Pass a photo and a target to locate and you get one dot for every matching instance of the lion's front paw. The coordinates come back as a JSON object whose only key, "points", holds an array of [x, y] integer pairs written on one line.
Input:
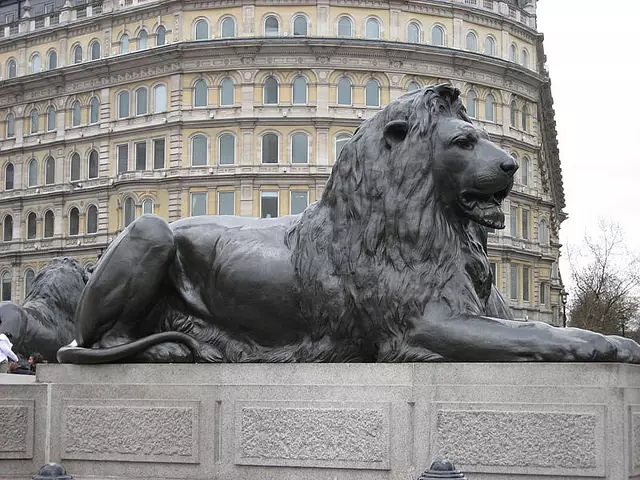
{"points": [[628, 351], [167, 352]]}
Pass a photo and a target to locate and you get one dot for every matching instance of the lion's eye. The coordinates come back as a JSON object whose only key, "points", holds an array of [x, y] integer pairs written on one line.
{"points": [[466, 142]]}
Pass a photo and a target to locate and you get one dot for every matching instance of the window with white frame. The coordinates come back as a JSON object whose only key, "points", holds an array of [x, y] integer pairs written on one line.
{"points": [[300, 26], [74, 167], [199, 150], [32, 175], [94, 165], [50, 171], [413, 32], [77, 54], [200, 90], [123, 104], [226, 203], [34, 121], [271, 26], [372, 29], [270, 91], [299, 201], [198, 203], [76, 114], [94, 110], [142, 39], [123, 157], [227, 92], [202, 29], [344, 91], [227, 149], [92, 219], [158, 153], [345, 27], [490, 46], [489, 108], [52, 60], [140, 149], [472, 42], [74, 221], [94, 50], [228, 28], [147, 206], [372, 93], [51, 119], [300, 90], [161, 36], [49, 224], [124, 43], [269, 204], [437, 36], [129, 211], [159, 98], [142, 106], [472, 104], [270, 148], [300, 148], [31, 226]]}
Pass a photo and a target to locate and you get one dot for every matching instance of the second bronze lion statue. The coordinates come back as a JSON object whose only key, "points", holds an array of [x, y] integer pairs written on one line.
{"points": [[389, 266]]}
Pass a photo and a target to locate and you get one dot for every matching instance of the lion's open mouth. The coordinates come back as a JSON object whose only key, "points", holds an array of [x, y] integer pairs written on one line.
{"points": [[484, 207]]}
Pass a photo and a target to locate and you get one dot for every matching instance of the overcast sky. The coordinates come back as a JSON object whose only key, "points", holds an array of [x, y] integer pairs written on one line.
{"points": [[593, 62]]}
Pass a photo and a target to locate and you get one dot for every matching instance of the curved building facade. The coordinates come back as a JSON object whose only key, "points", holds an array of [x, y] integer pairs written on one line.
{"points": [[110, 110]]}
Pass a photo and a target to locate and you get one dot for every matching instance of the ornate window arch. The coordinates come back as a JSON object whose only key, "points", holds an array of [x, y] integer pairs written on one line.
{"points": [[9, 176], [200, 93], [472, 41], [143, 39], [300, 93], [32, 173], [524, 58], [514, 114], [524, 171], [94, 110], [372, 28], [270, 90], [199, 150], [93, 165], [543, 232], [74, 221], [35, 63], [271, 26], [228, 27], [372, 93], [525, 118], [345, 26], [129, 211], [142, 101], [33, 121], [76, 114], [513, 53], [161, 36], [124, 43], [74, 167], [7, 228], [414, 32], [94, 50], [49, 171], [227, 92], [344, 91], [49, 224], [32, 222], [412, 86], [300, 25], [147, 206], [12, 68], [52, 60], [438, 35], [77, 53], [10, 125], [92, 219], [160, 98], [490, 46]]}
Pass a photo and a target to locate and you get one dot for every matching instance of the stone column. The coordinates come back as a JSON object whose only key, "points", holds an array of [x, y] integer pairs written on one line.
{"points": [[247, 146], [322, 146], [395, 31], [247, 20], [458, 24], [323, 27]]}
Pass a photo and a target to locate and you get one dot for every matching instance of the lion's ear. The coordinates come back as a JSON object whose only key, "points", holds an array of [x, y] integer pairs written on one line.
{"points": [[395, 132]]}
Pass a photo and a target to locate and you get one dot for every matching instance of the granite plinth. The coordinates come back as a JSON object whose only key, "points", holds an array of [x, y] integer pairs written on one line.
{"points": [[325, 421]]}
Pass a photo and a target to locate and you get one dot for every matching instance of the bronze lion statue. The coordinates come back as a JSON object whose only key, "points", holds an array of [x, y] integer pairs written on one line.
{"points": [[390, 265]]}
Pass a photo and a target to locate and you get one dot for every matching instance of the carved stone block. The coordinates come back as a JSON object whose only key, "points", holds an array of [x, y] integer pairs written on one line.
{"points": [[16, 429]]}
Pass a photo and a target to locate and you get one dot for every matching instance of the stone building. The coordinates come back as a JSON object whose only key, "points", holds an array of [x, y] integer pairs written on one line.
{"points": [[112, 109]]}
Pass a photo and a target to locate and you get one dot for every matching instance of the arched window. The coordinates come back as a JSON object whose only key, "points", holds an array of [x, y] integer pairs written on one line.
{"points": [[345, 27], [32, 176], [51, 119], [270, 148], [124, 43], [9, 177], [525, 118], [12, 70], [52, 60], [35, 63], [372, 93], [513, 53], [412, 86], [74, 221], [489, 108], [33, 121], [514, 114], [372, 29], [413, 32], [472, 104], [437, 36], [7, 234], [199, 150], [6, 287], [141, 101], [93, 164], [49, 171], [77, 54], [31, 226], [524, 171], [159, 98], [227, 92], [123, 104], [543, 234], [227, 149], [92, 219], [300, 91], [472, 42], [10, 125], [49, 224], [490, 46], [344, 91], [300, 26], [129, 211], [94, 49], [202, 30], [75, 114], [161, 36], [147, 207], [200, 90], [94, 110], [29, 275], [270, 91], [300, 148], [142, 39], [228, 28], [341, 141], [525, 58], [271, 26], [74, 173]]}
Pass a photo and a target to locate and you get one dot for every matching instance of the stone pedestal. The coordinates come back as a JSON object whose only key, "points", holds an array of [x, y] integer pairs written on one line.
{"points": [[324, 421]]}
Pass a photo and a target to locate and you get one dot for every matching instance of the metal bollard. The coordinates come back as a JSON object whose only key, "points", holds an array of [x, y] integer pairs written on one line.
{"points": [[442, 469], [52, 471]]}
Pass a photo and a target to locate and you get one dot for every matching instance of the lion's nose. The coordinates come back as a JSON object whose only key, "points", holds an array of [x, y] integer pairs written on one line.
{"points": [[509, 166]]}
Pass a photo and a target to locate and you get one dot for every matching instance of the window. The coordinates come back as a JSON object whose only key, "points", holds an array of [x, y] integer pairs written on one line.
{"points": [[9, 177], [35, 64], [199, 150], [74, 173], [198, 203], [345, 27], [10, 125], [8, 228], [141, 155], [412, 86], [33, 121], [49, 224], [372, 29], [472, 42], [513, 53], [129, 211], [77, 54], [226, 203], [525, 118], [413, 32], [299, 148], [490, 46], [525, 224], [300, 91], [372, 93], [524, 171], [31, 226], [74, 221], [158, 153], [524, 58], [437, 36], [271, 26], [268, 204], [200, 89], [514, 221], [141, 101], [147, 207], [514, 282], [270, 148], [32, 177], [123, 104], [489, 103], [300, 26], [525, 284], [472, 104], [94, 48], [161, 36], [341, 141], [124, 43], [29, 275], [344, 91], [543, 294], [12, 70], [52, 60], [514, 114], [50, 171], [159, 99], [123, 158], [227, 92], [94, 110], [92, 219], [6, 287], [270, 91], [494, 272], [93, 164], [228, 28], [227, 144], [299, 201], [75, 114], [142, 39], [51, 119]]}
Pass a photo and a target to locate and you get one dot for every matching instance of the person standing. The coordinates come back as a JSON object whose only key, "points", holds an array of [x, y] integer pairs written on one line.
{"points": [[6, 352]]}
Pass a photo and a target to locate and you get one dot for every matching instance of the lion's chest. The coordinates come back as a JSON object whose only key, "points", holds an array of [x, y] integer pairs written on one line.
{"points": [[478, 272]]}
